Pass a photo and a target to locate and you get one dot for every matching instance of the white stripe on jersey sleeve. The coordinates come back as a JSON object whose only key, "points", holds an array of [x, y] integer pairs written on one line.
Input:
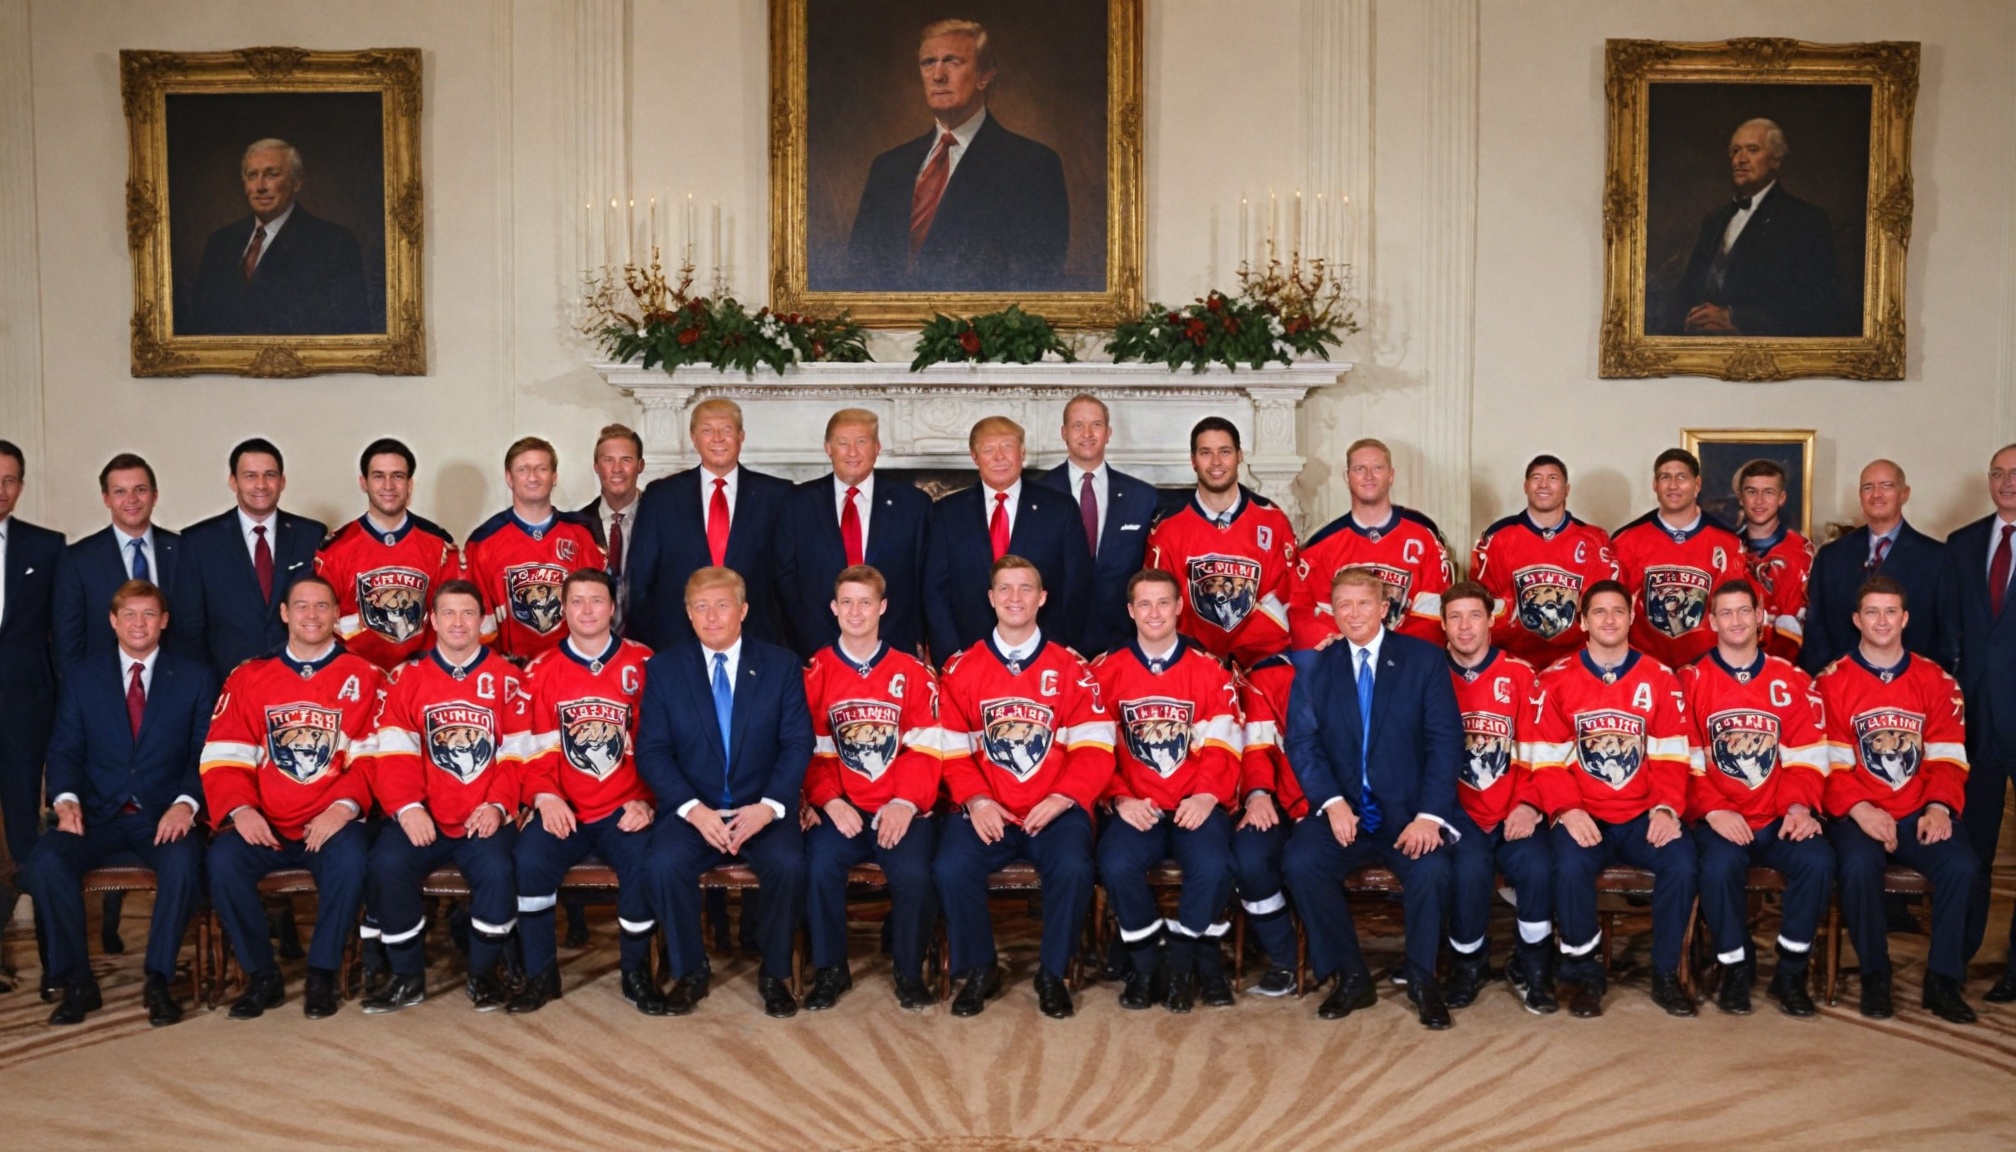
{"points": [[939, 742], [1541, 754], [1262, 734], [1816, 756], [1093, 733], [1224, 731], [224, 752], [395, 741], [823, 746], [1272, 608], [520, 746], [1955, 753], [1666, 747]]}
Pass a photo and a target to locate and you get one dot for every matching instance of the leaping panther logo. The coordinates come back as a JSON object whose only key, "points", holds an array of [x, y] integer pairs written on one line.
{"points": [[301, 740], [1548, 599], [1159, 732], [393, 602], [1224, 589], [1610, 745], [1743, 743], [865, 735], [461, 739], [1016, 734], [1676, 598], [1892, 744], [1487, 749], [533, 591], [594, 734]]}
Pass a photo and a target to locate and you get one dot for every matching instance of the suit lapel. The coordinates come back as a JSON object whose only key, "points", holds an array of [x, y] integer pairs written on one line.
{"points": [[1029, 502], [1385, 682], [745, 703], [880, 525], [828, 522], [704, 675], [164, 559]]}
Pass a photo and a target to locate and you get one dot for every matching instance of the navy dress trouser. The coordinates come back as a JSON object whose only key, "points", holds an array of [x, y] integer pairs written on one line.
{"points": [[913, 899], [54, 875], [679, 854], [541, 861], [1723, 868], [1576, 869], [1317, 866], [1204, 853], [1062, 854], [397, 869], [339, 868], [1950, 865]]}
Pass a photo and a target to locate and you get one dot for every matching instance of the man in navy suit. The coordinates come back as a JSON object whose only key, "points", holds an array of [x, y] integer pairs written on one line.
{"points": [[612, 515], [1382, 785], [1116, 511], [1884, 546], [123, 781], [967, 206], [717, 515], [723, 741], [974, 527], [241, 562], [28, 559], [849, 517], [132, 547]]}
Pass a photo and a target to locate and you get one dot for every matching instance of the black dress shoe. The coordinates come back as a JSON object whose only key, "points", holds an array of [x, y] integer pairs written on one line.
{"points": [[1531, 975], [486, 992], [1466, 980], [79, 998], [1428, 1001], [1667, 994], [912, 994], [1353, 992], [778, 1003], [400, 992], [109, 939], [642, 991], [539, 988], [1876, 1003], [318, 993], [1215, 991], [1788, 988], [262, 991], [1182, 994], [2004, 991], [1587, 1003], [982, 985], [1734, 996], [1053, 997], [679, 999], [1139, 991], [1943, 999], [828, 985]]}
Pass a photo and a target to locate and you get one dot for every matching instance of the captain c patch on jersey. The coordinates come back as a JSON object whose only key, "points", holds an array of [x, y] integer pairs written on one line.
{"points": [[1610, 745], [1743, 744], [534, 594], [1892, 743], [1676, 598], [461, 739], [1159, 731], [1547, 599], [1016, 734], [1224, 589], [392, 602], [301, 740], [1487, 749], [865, 735], [593, 735]]}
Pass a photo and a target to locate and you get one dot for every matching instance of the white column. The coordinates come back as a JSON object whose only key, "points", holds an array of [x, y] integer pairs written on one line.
{"points": [[20, 264], [1449, 266]]}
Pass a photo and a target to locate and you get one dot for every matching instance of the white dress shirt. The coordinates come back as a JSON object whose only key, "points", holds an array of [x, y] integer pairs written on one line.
{"points": [[146, 539], [963, 134], [272, 227], [1742, 217], [126, 665], [987, 503], [1102, 488], [1021, 651], [864, 504], [272, 525], [1165, 657], [734, 479]]}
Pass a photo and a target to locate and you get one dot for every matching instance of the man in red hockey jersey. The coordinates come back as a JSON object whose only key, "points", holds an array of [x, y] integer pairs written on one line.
{"points": [[1231, 551], [443, 761], [1670, 559], [387, 563], [1760, 761], [1037, 756], [279, 787], [1608, 745], [1273, 801], [1896, 792], [521, 556], [870, 788], [1176, 772], [1536, 564], [1402, 546], [1779, 558]]}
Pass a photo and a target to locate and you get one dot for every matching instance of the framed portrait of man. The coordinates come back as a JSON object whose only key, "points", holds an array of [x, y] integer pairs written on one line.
{"points": [[273, 210], [956, 158], [1757, 209], [1725, 452]]}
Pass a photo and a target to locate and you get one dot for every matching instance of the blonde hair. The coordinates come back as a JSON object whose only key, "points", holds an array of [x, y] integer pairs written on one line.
{"points": [[1010, 563], [619, 432], [714, 406], [983, 52], [1357, 578], [994, 426], [1105, 413], [1364, 442], [716, 577], [851, 418], [526, 444]]}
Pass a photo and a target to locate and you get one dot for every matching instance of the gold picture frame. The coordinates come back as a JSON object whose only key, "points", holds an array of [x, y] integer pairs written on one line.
{"points": [[1671, 105], [363, 108], [813, 202], [1724, 451]]}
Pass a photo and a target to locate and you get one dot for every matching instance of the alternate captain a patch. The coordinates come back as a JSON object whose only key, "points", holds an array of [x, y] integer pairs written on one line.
{"points": [[1016, 734], [533, 591], [865, 735], [1743, 744], [1675, 598], [1224, 589], [1158, 732], [301, 740], [1610, 745], [1487, 749], [1547, 599], [392, 602], [594, 735], [461, 739], [1397, 582], [1892, 744]]}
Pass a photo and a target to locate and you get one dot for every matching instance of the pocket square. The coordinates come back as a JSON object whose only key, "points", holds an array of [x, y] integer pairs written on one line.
{"points": [[1130, 527]]}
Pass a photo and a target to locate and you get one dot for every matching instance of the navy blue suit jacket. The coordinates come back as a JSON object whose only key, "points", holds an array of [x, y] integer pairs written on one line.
{"points": [[1123, 543], [93, 569], [94, 754], [770, 734], [1979, 646], [810, 555], [959, 553], [27, 664], [671, 544], [239, 623], [1915, 561], [1417, 732]]}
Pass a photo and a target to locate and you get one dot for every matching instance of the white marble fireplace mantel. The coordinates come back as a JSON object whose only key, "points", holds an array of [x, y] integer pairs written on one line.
{"points": [[925, 415]]}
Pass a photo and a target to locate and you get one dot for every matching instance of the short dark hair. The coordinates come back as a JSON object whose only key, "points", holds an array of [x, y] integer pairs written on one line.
{"points": [[386, 446], [1601, 586], [9, 448], [1736, 587], [588, 576], [121, 463], [1760, 467], [258, 444], [1468, 590], [459, 588], [310, 578], [1545, 460], [1215, 424], [1678, 456], [1152, 576], [1881, 586]]}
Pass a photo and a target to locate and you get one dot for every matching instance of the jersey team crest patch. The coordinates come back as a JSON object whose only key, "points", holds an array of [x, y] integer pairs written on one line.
{"points": [[1610, 745], [461, 739], [1743, 743], [1487, 749], [301, 740], [1397, 581], [1016, 734], [1676, 598], [593, 735], [393, 602], [1892, 743], [1548, 599], [534, 593], [865, 735], [1224, 589], [1158, 731]]}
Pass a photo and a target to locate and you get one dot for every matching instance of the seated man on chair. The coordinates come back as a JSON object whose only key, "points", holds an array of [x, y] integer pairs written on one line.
{"points": [[122, 771], [277, 771]]}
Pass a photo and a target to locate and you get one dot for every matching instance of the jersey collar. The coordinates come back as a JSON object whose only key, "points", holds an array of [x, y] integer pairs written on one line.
{"points": [[535, 531], [1741, 675], [1392, 522], [387, 538], [1158, 667], [594, 664], [1232, 515], [1886, 675], [1761, 547], [458, 672], [1469, 674], [1015, 667], [1526, 518], [1611, 675], [864, 669], [1681, 535], [308, 668]]}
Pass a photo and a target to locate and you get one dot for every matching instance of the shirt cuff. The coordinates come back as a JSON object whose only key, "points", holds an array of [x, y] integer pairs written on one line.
{"points": [[776, 809], [501, 810], [64, 798], [688, 806], [1325, 806], [1666, 808], [355, 808], [1256, 792], [185, 798], [1449, 831], [407, 808]]}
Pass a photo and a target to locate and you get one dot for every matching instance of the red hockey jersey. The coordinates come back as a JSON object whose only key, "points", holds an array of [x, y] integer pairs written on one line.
{"points": [[1614, 749], [1263, 696], [281, 739], [1899, 736], [876, 731], [1496, 775], [583, 722], [1030, 728], [450, 739], [1236, 580], [1407, 553], [1537, 575], [1759, 741], [520, 569], [1671, 575], [1779, 565], [385, 584], [1180, 731]]}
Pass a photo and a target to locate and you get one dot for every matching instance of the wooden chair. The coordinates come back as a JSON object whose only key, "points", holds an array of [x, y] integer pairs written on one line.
{"points": [[1618, 880], [1897, 881], [134, 878], [1017, 879], [285, 882]]}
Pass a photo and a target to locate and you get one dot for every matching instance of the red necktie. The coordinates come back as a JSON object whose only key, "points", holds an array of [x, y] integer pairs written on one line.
{"points": [[1088, 510], [615, 567], [1876, 557], [252, 251], [997, 525], [136, 700], [717, 523], [930, 189], [262, 562], [850, 528], [1998, 571]]}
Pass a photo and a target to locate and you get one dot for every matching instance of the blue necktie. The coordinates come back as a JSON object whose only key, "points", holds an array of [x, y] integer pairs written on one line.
{"points": [[1368, 809], [724, 711], [139, 548]]}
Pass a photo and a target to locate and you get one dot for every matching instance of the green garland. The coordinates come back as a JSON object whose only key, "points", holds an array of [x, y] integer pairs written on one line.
{"points": [[1009, 337], [724, 334], [1220, 329]]}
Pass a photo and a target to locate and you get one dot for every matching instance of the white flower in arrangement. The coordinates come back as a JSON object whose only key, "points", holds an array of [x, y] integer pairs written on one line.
{"points": [[1284, 349], [770, 328], [1274, 327]]}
